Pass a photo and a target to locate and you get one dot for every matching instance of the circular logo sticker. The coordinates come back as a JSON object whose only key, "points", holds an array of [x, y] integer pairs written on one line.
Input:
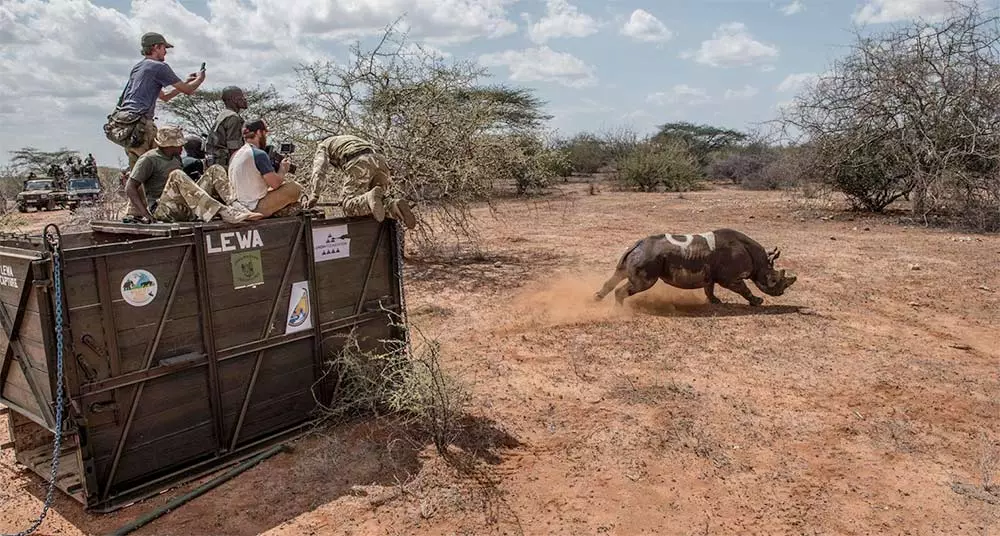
{"points": [[138, 287]]}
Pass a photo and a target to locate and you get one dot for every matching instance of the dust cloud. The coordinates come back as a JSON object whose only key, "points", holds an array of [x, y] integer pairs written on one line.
{"points": [[568, 299]]}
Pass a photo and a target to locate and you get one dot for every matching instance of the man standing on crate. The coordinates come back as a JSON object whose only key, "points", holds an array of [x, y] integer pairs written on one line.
{"points": [[172, 195], [227, 133], [366, 181]]}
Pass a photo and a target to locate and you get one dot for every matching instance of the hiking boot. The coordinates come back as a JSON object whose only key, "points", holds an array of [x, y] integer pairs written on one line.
{"points": [[400, 210], [376, 202], [237, 213]]}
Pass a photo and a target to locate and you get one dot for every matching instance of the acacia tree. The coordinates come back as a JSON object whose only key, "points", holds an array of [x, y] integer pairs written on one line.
{"points": [[702, 140], [28, 159], [913, 112], [448, 139]]}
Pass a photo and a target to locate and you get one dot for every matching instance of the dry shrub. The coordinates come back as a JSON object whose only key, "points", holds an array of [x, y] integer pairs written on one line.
{"points": [[449, 141], [407, 385], [653, 165]]}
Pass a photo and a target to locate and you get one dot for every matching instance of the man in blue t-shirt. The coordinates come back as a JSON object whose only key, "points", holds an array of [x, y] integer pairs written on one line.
{"points": [[145, 85]]}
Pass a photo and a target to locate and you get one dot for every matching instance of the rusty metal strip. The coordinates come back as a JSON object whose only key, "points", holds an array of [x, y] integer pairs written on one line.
{"points": [[108, 318], [382, 231], [208, 337], [260, 355], [314, 303], [127, 427], [11, 327], [36, 391]]}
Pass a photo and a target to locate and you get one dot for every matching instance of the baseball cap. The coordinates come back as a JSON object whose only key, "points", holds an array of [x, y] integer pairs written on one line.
{"points": [[169, 136], [255, 125], [152, 38]]}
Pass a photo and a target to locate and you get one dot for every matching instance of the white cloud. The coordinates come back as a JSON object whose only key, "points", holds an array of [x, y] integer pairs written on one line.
{"points": [[543, 64], [561, 19], [882, 11], [732, 45], [744, 93], [643, 26], [679, 94], [793, 8], [58, 90], [797, 81]]}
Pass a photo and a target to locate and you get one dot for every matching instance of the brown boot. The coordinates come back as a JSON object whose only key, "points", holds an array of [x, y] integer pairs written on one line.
{"points": [[238, 213], [400, 210], [376, 202]]}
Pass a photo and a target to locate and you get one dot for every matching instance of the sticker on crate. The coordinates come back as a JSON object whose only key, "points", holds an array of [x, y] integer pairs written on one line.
{"points": [[138, 287], [299, 310], [331, 242], [248, 271]]}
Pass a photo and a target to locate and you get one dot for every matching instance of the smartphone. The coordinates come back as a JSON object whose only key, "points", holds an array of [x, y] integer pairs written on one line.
{"points": [[202, 66]]}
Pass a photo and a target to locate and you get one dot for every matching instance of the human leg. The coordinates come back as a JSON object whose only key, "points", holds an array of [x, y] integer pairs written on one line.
{"points": [[184, 200], [215, 181], [365, 190], [281, 197], [133, 154]]}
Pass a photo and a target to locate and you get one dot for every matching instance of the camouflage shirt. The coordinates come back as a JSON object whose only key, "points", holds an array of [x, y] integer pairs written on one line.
{"points": [[151, 171], [226, 137], [340, 147]]}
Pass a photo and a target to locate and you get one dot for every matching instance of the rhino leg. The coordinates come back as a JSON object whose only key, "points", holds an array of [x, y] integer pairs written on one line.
{"points": [[610, 284], [710, 293], [740, 287], [635, 285]]}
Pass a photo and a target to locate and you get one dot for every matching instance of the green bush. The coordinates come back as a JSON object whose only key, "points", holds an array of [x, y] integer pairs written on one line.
{"points": [[669, 165]]}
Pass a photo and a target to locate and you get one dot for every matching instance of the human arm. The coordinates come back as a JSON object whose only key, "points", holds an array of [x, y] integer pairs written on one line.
{"points": [[132, 191], [167, 77], [273, 178], [141, 172]]}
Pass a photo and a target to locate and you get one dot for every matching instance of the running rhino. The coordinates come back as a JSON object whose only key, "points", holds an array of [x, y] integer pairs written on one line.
{"points": [[723, 256]]}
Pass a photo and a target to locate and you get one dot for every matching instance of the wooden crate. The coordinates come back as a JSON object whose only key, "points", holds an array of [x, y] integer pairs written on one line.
{"points": [[187, 346]]}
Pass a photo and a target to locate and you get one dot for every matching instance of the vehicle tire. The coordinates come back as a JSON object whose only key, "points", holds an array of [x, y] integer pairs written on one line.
{"points": [[22, 208]]}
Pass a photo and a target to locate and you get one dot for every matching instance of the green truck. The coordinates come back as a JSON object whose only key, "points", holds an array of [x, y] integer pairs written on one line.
{"points": [[81, 191], [42, 193]]}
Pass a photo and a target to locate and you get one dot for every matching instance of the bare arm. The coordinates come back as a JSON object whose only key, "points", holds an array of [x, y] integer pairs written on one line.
{"points": [[132, 191], [273, 179], [187, 87]]}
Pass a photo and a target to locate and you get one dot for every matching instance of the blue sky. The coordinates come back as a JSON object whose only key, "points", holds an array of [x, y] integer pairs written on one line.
{"points": [[599, 65]]}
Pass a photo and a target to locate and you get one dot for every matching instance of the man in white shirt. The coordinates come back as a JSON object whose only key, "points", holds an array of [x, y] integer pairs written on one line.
{"points": [[255, 183]]}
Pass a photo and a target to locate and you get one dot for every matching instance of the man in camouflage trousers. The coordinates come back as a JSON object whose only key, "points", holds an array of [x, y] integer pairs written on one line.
{"points": [[172, 195], [367, 179]]}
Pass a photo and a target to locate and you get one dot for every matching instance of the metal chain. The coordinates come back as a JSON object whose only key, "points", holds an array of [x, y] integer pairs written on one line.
{"points": [[57, 444]]}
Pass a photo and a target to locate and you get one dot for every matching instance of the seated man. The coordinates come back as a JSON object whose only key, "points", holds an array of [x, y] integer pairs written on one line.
{"points": [[193, 161], [171, 194], [364, 189], [255, 183]]}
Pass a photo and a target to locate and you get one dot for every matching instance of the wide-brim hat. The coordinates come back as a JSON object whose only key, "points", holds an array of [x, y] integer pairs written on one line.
{"points": [[170, 136]]}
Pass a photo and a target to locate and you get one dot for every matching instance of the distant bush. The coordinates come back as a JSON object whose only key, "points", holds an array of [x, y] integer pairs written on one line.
{"points": [[740, 167], [650, 166], [586, 153]]}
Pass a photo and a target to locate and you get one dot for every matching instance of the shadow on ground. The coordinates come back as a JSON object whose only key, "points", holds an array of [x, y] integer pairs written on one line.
{"points": [[667, 309], [355, 459]]}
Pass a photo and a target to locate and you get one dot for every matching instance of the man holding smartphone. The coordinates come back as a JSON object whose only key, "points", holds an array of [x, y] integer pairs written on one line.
{"points": [[254, 182]]}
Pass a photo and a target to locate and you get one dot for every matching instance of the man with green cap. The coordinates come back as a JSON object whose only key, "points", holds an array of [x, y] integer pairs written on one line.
{"points": [[173, 196], [146, 84]]}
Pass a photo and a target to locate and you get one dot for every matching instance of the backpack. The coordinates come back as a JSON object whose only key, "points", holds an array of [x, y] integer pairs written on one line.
{"points": [[123, 128]]}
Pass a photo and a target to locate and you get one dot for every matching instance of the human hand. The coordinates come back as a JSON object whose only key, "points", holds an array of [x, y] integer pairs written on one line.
{"points": [[285, 165]]}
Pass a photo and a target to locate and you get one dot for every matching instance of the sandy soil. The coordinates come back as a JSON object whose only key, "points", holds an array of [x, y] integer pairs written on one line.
{"points": [[864, 401]]}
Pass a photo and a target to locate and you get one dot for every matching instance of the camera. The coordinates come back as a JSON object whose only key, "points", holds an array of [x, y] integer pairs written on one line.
{"points": [[283, 151]]}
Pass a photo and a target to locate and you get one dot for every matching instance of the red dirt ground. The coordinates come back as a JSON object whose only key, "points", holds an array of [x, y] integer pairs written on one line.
{"points": [[864, 401]]}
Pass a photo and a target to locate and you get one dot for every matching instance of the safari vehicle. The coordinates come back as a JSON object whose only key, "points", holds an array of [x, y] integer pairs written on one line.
{"points": [[41, 194], [148, 355], [81, 191]]}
